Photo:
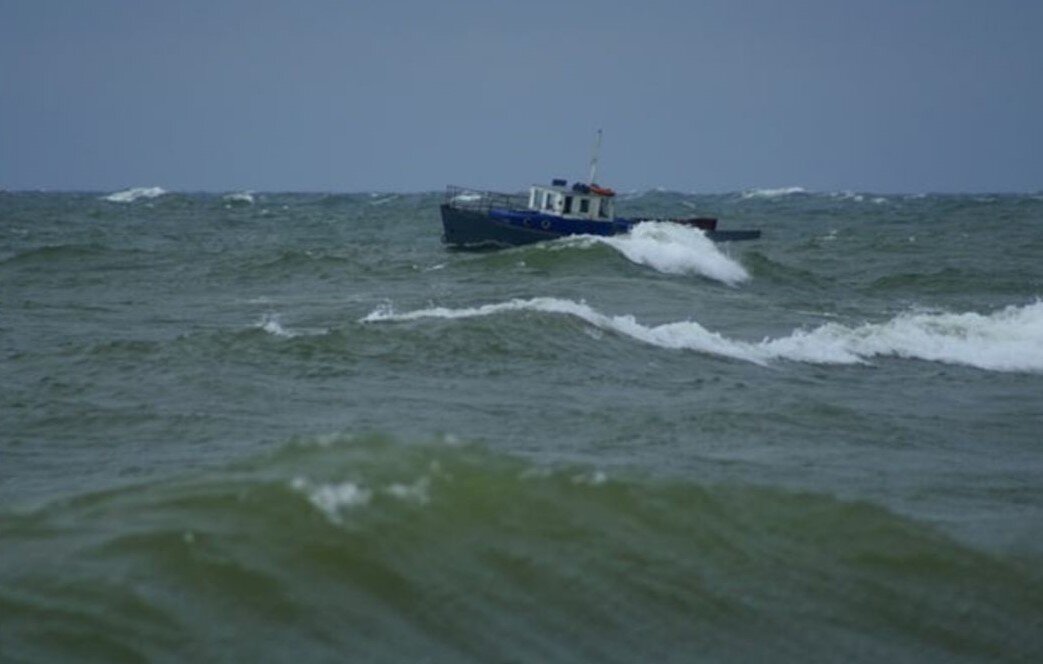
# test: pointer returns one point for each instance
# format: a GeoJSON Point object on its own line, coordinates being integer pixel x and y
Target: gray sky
{"type": "Point", "coordinates": [698, 95]}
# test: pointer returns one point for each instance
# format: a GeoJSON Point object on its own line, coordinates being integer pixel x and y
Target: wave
{"type": "Point", "coordinates": [670, 249]}
{"type": "Point", "coordinates": [239, 197]}
{"type": "Point", "coordinates": [366, 549]}
{"type": "Point", "coordinates": [53, 253]}
{"type": "Point", "coordinates": [136, 193]}
{"type": "Point", "coordinates": [1007, 340]}
{"type": "Point", "coordinates": [383, 201]}
{"type": "Point", "coordinates": [272, 324]}
{"type": "Point", "coordinates": [773, 193]}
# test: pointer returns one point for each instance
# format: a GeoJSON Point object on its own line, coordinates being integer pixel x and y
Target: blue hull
{"type": "Point", "coordinates": [509, 228]}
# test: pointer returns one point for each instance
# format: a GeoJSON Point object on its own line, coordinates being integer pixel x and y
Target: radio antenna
{"type": "Point", "coordinates": [594, 159]}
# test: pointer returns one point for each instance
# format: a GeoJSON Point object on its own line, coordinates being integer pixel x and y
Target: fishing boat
{"type": "Point", "coordinates": [473, 218]}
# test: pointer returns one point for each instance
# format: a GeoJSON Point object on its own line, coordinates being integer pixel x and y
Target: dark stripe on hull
{"type": "Point", "coordinates": [477, 229]}
{"type": "Point", "coordinates": [468, 228]}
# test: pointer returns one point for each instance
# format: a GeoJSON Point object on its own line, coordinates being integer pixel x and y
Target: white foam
{"type": "Point", "coordinates": [847, 196]}
{"type": "Point", "coordinates": [332, 499]}
{"type": "Point", "coordinates": [773, 193]}
{"type": "Point", "coordinates": [418, 492]}
{"type": "Point", "coordinates": [1010, 339]}
{"type": "Point", "coordinates": [131, 195]}
{"type": "Point", "coordinates": [467, 197]}
{"type": "Point", "coordinates": [1007, 340]}
{"type": "Point", "coordinates": [689, 335]}
{"type": "Point", "coordinates": [246, 197]}
{"type": "Point", "coordinates": [270, 324]}
{"type": "Point", "coordinates": [671, 249]}
{"type": "Point", "coordinates": [595, 478]}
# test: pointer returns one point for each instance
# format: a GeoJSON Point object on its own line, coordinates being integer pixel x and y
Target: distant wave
{"type": "Point", "coordinates": [376, 200]}
{"type": "Point", "coordinates": [1007, 340]}
{"type": "Point", "coordinates": [856, 197]}
{"type": "Point", "coordinates": [670, 249]}
{"type": "Point", "coordinates": [773, 193]}
{"type": "Point", "coordinates": [131, 195]}
{"type": "Point", "coordinates": [241, 197]}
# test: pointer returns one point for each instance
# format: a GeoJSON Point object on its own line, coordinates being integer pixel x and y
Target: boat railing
{"type": "Point", "coordinates": [477, 200]}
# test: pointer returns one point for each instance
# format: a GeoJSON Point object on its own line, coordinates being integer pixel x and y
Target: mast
{"type": "Point", "coordinates": [594, 159]}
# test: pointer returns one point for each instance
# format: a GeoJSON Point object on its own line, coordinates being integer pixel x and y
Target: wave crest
{"type": "Point", "coordinates": [773, 193]}
{"type": "Point", "coordinates": [1007, 340]}
{"type": "Point", "coordinates": [671, 249]}
{"type": "Point", "coordinates": [239, 198]}
{"type": "Point", "coordinates": [528, 560]}
{"type": "Point", "coordinates": [133, 194]}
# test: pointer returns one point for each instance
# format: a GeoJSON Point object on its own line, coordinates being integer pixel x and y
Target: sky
{"type": "Point", "coordinates": [692, 95]}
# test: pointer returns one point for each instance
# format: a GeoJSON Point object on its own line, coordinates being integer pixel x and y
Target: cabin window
{"type": "Point", "coordinates": [548, 202]}
{"type": "Point", "coordinates": [584, 205]}
{"type": "Point", "coordinates": [568, 205]}
{"type": "Point", "coordinates": [603, 208]}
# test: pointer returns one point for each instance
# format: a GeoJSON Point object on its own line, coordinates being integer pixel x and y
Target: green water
{"type": "Point", "coordinates": [300, 428]}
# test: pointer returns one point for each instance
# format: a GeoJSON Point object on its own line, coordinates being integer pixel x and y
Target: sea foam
{"type": "Point", "coordinates": [272, 324]}
{"type": "Point", "coordinates": [131, 195]}
{"type": "Point", "coordinates": [773, 193]}
{"type": "Point", "coordinates": [240, 197]}
{"type": "Point", "coordinates": [1010, 339]}
{"type": "Point", "coordinates": [332, 499]}
{"type": "Point", "coordinates": [671, 249]}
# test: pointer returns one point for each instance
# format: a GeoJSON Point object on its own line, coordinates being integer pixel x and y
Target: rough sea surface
{"type": "Point", "coordinates": [295, 427]}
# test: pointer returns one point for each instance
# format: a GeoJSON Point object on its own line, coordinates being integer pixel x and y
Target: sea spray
{"type": "Point", "coordinates": [671, 249]}
{"type": "Point", "coordinates": [780, 192]}
{"type": "Point", "coordinates": [133, 194]}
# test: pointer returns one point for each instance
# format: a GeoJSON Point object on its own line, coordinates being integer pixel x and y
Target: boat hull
{"type": "Point", "coordinates": [509, 228]}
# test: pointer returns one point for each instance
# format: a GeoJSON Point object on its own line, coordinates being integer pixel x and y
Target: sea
{"type": "Point", "coordinates": [278, 427]}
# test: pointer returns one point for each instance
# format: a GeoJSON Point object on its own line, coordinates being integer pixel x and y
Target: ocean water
{"type": "Point", "coordinates": [264, 427]}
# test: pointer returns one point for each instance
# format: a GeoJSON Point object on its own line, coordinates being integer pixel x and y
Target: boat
{"type": "Point", "coordinates": [472, 218]}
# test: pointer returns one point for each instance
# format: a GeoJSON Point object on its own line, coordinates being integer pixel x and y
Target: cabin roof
{"type": "Point", "coordinates": [566, 190]}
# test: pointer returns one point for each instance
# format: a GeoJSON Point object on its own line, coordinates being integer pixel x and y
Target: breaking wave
{"type": "Point", "coordinates": [1007, 340]}
{"type": "Point", "coordinates": [239, 197]}
{"type": "Point", "coordinates": [133, 194]}
{"type": "Point", "coordinates": [362, 549]}
{"type": "Point", "coordinates": [670, 249]}
{"type": "Point", "coordinates": [773, 193]}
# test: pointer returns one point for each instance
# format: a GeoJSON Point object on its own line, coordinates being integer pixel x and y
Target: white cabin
{"type": "Point", "coordinates": [562, 201]}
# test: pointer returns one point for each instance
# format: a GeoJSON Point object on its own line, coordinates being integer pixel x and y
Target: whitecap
{"type": "Point", "coordinates": [242, 197]}
{"type": "Point", "coordinates": [272, 324]}
{"type": "Point", "coordinates": [333, 499]}
{"type": "Point", "coordinates": [671, 249]}
{"type": "Point", "coordinates": [1010, 339]}
{"type": "Point", "coordinates": [847, 196]}
{"type": "Point", "coordinates": [1007, 340]}
{"type": "Point", "coordinates": [773, 193]}
{"type": "Point", "coordinates": [131, 195]}
{"type": "Point", "coordinates": [418, 492]}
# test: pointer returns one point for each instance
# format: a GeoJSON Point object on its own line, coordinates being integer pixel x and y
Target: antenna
{"type": "Point", "coordinates": [594, 159]}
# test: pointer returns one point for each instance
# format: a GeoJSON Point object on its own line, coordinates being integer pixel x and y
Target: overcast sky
{"type": "Point", "coordinates": [693, 95]}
